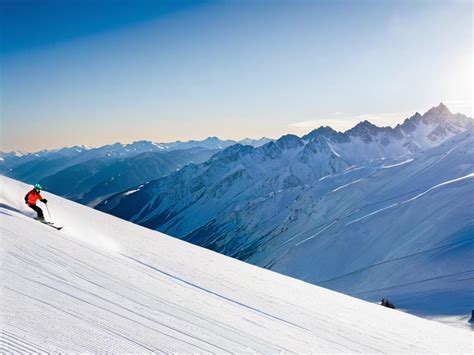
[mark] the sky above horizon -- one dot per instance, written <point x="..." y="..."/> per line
<point x="84" y="72"/>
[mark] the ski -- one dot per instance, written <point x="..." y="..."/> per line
<point x="51" y="224"/>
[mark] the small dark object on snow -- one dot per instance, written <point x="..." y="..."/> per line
<point x="472" y="317"/>
<point x="387" y="303"/>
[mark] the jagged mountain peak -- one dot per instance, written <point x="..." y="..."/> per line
<point x="289" y="141"/>
<point x="321" y="130"/>
<point x="145" y="143"/>
<point x="438" y="114"/>
<point x="365" y="125"/>
<point x="442" y="121"/>
<point x="328" y="132"/>
<point x="365" y="130"/>
<point x="141" y="141"/>
<point x="255" y="142"/>
<point x="319" y="150"/>
<point x="410" y="123"/>
<point x="441" y="109"/>
<point x="233" y="153"/>
<point x="211" y="142"/>
<point x="416" y="116"/>
<point x="14" y="153"/>
<point x="211" y="139"/>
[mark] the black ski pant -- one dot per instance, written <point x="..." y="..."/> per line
<point x="38" y="211"/>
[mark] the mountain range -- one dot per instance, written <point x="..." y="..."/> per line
<point x="358" y="211"/>
<point x="372" y="212"/>
<point x="88" y="175"/>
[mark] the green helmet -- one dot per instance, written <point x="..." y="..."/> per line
<point x="38" y="187"/>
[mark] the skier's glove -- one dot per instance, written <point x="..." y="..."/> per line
<point x="44" y="200"/>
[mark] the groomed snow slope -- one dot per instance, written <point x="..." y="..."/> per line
<point x="106" y="285"/>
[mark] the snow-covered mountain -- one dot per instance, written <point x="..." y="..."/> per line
<point x="215" y="143"/>
<point x="36" y="166"/>
<point x="209" y="143"/>
<point x="359" y="210"/>
<point x="103" y="285"/>
<point x="32" y="167"/>
<point x="96" y="179"/>
<point x="89" y="176"/>
<point x="255" y="142"/>
<point x="13" y="153"/>
<point x="366" y="141"/>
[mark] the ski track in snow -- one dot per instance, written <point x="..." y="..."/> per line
<point x="348" y="184"/>
<point x="397" y="164"/>
<point x="69" y="292"/>
<point x="468" y="176"/>
<point x="316" y="234"/>
<point x="131" y="192"/>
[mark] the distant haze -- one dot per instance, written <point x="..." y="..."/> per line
<point x="92" y="73"/>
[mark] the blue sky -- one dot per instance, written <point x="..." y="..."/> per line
<point x="96" y="72"/>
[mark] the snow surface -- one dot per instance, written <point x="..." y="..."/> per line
<point x="106" y="285"/>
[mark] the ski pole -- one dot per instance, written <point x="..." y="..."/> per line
<point x="47" y="208"/>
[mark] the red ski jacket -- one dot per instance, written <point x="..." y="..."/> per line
<point x="32" y="197"/>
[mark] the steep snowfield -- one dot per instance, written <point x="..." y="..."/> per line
<point x="106" y="285"/>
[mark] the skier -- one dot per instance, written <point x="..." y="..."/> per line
<point x="32" y="197"/>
